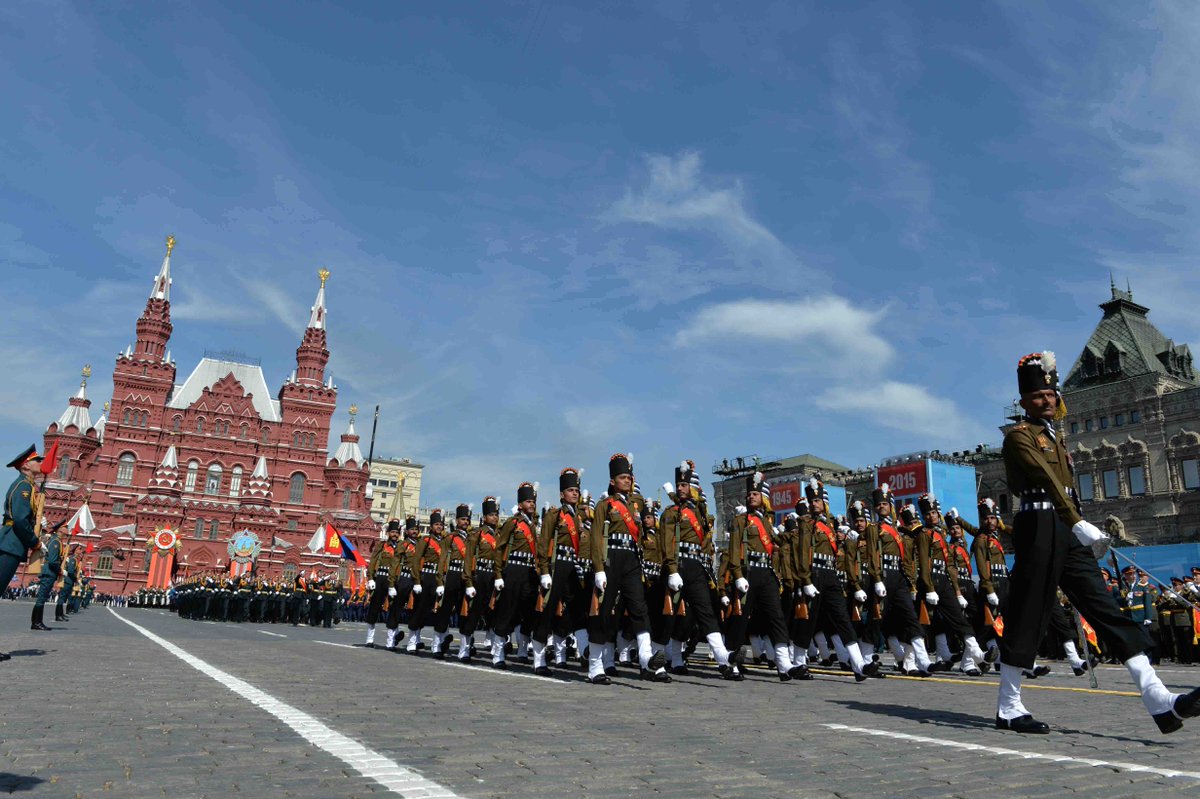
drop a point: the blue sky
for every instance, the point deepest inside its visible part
(557, 231)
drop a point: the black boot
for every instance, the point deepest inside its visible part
(36, 619)
(58, 613)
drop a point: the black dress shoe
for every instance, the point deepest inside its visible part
(1186, 706)
(785, 677)
(501, 666)
(860, 677)
(973, 673)
(657, 661)
(369, 646)
(1026, 724)
(800, 672)
(611, 671)
(732, 673)
(656, 676)
(1079, 670)
(543, 671)
(681, 671)
(600, 679)
(5, 656)
(39, 626)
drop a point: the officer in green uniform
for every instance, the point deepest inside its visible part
(70, 574)
(52, 565)
(18, 536)
(1053, 547)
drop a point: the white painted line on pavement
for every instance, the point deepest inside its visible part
(371, 764)
(331, 643)
(277, 635)
(1017, 753)
(487, 669)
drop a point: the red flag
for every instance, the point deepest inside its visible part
(333, 540)
(90, 547)
(50, 460)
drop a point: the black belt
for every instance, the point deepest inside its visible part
(699, 557)
(429, 568)
(938, 567)
(824, 560)
(622, 540)
(484, 564)
(760, 559)
(651, 569)
(520, 559)
(455, 566)
(564, 551)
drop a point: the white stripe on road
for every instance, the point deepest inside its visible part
(331, 643)
(1017, 753)
(277, 635)
(367, 762)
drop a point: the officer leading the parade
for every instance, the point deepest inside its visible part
(18, 536)
(1053, 547)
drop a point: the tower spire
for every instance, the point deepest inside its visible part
(162, 283)
(312, 354)
(316, 319)
(154, 326)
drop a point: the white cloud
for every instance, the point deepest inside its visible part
(828, 323)
(905, 407)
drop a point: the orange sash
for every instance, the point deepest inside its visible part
(523, 526)
(895, 535)
(569, 521)
(460, 545)
(829, 536)
(767, 543)
(965, 557)
(626, 517)
(491, 540)
(690, 515)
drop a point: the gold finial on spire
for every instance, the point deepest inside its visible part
(87, 371)
(353, 411)
(106, 406)
(324, 275)
(170, 244)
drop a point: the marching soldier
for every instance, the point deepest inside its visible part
(866, 536)
(423, 564)
(557, 550)
(451, 579)
(403, 584)
(688, 540)
(820, 582)
(660, 611)
(70, 575)
(758, 569)
(988, 553)
(331, 593)
(615, 551)
(1054, 546)
(945, 593)
(383, 567)
(52, 565)
(515, 576)
(898, 567)
(19, 536)
(479, 575)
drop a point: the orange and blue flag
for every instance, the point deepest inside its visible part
(338, 544)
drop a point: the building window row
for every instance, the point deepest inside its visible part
(212, 479)
(1110, 483)
(1189, 473)
(125, 465)
(104, 563)
(135, 418)
(207, 528)
(304, 440)
(1104, 422)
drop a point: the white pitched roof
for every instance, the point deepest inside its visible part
(348, 450)
(162, 282)
(210, 370)
(316, 318)
(76, 414)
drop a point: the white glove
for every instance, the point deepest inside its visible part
(851, 534)
(668, 489)
(370, 585)
(993, 600)
(953, 514)
(742, 585)
(546, 580)
(962, 601)
(441, 590)
(674, 582)
(860, 595)
(725, 601)
(470, 592)
(931, 598)
(417, 588)
(739, 510)
(1147, 622)
(499, 584)
(392, 592)
(810, 590)
(880, 590)
(601, 581)
(1092, 537)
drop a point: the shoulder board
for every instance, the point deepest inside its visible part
(1021, 426)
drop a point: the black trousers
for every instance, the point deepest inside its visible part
(624, 573)
(479, 613)
(1047, 556)
(423, 602)
(452, 595)
(698, 600)
(396, 605)
(515, 604)
(827, 611)
(375, 609)
(899, 612)
(948, 614)
(555, 617)
(661, 624)
(762, 605)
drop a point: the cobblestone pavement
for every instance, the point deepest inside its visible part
(193, 709)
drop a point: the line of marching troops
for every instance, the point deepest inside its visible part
(314, 600)
(621, 578)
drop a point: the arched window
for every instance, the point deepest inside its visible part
(245, 431)
(200, 425)
(345, 499)
(125, 417)
(104, 563)
(296, 439)
(289, 573)
(145, 418)
(177, 424)
(199, 528)
(235, 481)
(189, 483)
(296, 492)
(125, 466)
(214, 526)
(64, 467)
(266, 435)
(212, 481)
(312, 440)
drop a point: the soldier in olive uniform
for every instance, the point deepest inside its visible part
(688, 539)
(615, 551)
(655, 564)
(898, 568)
(52, 566)
(19, 535)
(403, 583)
(382, 567)
(870, 576)
(1054, 546)
(557, 551)
(451, 579)
(423, 565)
(515, 576)
(992, 569)
(70, 574)
(950, 605)
(478, 576)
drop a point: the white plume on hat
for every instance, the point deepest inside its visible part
(536, 486)
(515, 510)
(885, 488)
(1049, 361)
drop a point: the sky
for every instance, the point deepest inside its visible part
(558, 231)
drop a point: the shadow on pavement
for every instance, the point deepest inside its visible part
(11, 783)
(27, 653)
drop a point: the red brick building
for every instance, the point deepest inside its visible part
(211, 459)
